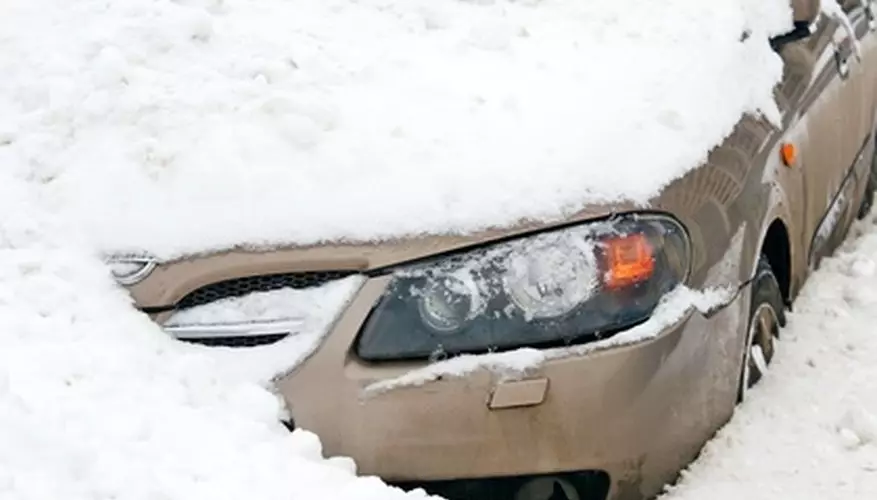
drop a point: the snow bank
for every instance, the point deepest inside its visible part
(96, 403)
(204, 124)
(809, 429)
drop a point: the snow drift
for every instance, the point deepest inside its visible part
(96, 403)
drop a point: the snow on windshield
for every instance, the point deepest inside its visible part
(205, 124)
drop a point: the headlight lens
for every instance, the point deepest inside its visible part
(549, 280)
(561, 287)
(446, 303)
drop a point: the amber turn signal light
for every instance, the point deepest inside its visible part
(629, 260)
(789, 153)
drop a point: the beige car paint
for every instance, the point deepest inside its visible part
(638, 412)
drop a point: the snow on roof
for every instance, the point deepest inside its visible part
(191, 125)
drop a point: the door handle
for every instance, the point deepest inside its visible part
(842, 55)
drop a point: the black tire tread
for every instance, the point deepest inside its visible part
(766, 289)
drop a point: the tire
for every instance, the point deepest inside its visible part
(767, 316)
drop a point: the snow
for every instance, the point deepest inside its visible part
(829, 222)
(177, 127)
(809, 429)
(564, 262)
(208, 124)
(311, 313)
(836, 11)
(96, 403)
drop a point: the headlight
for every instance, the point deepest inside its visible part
(131, 270)
(562, 287)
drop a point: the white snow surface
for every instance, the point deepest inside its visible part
(182, 126)
(809, 428)
(96, 403)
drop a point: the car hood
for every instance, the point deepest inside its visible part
(172, 280)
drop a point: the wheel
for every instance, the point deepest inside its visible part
(766, 317)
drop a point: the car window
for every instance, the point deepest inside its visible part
(799, 57)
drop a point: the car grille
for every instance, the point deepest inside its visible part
(239, 287)
(254, 341)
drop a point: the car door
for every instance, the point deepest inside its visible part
(811, 94)
(852, 94)
(856, 68)
(830, 133)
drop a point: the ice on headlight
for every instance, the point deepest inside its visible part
(552, 278)
(446, 303)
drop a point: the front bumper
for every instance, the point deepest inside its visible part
(637, 413)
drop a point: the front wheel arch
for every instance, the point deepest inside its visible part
(776, 251)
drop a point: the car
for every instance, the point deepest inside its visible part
(609, 410)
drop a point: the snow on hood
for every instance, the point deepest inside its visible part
(190, 125)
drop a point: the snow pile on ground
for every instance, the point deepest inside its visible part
(809, 429)
(96, 403)
(276, 121)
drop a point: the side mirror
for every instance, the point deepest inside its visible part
(803, 29)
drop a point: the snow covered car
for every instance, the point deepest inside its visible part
(585, 358)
